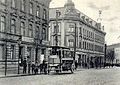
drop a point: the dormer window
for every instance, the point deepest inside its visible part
(87, 20)
(83, 18)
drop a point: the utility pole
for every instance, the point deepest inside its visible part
(105, 54)
(75, 43)
(19, 42)
(6, 58)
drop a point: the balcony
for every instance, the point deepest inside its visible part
(8, 37)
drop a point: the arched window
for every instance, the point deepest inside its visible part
(31, 8)
(30, 30)
(44, 14)
(37, 32)
(22, 26)
(38, 11)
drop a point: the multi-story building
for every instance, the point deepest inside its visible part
(90, 37)
(28, 18)
(113, 53)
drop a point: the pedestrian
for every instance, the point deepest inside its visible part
(33, 67)
(44, 67)
(24, 66)
(36, 69)
(76, 65)
(29, 64)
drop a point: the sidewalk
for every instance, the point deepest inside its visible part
(11, 73)
(14, 73)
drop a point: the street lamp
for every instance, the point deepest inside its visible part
(19, 43)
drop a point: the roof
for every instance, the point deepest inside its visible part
(82, 16)
(52, 12)
(117, 45)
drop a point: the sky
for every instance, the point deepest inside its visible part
(110, 15)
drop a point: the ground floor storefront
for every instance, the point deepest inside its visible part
(90, 60)
(11, 53)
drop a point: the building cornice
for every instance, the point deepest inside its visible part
(78, 19)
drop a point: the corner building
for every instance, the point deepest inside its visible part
(90, 36)
(28, 18)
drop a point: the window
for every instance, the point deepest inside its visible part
(44, 14)
(38, 11)
(23, 5)
(37, 32)
(13, 26)
(80, 31)
(71, 43)
(80, 44)
(31, 8)
(71, 28)
(30, 30)
(44, 34)
(22, 26)
(3, 23)
(83, 45)
(13, 3)
(56, 29)
(12, 52)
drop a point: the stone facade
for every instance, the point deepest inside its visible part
(113, 54)
(28, 18)
(90, 36)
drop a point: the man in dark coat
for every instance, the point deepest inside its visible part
(24, 66)
(33, 68)
(76, 65)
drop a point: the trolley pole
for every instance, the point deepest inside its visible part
(75, 44)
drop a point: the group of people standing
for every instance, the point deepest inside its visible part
(28, 66)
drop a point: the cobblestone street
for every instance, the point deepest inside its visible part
(81, 77)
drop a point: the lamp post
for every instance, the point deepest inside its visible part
(19, 42)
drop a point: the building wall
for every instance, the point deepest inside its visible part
(19, 20)
(117, 55)
(89, 36)
(113, 53)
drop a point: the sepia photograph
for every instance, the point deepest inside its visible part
(59, 42)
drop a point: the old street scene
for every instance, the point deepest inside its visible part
(59, 42)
